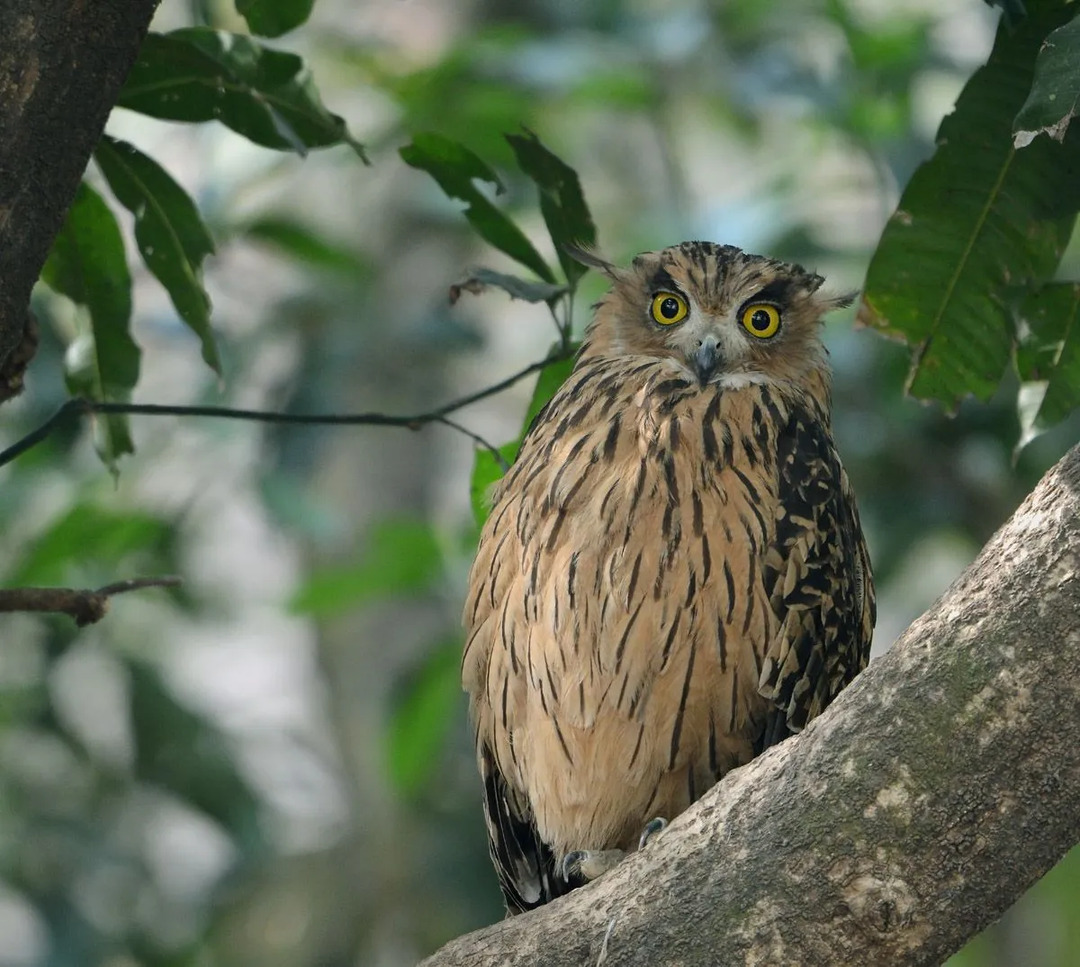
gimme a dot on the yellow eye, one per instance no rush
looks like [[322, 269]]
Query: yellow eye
[[761, 319], [668, 308]]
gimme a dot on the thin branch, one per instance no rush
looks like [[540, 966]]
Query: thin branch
[[85, 606], [479, 440], [80, 407]]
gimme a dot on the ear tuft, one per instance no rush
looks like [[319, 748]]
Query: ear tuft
[[590, 258], [827, 302]]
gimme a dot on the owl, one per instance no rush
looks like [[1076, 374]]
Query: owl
[[673, 576]]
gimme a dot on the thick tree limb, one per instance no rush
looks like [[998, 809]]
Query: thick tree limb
[[85, 607], [938, 787], [61, 68]]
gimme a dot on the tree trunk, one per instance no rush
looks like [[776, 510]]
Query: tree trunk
[[62, 65], [935, 790]]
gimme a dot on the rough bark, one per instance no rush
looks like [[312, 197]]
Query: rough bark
[[938, 787], [61, 68]]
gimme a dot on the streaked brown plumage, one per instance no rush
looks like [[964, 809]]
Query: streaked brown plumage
[[673, 576]]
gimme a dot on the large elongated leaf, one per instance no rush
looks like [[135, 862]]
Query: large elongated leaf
[[1055, 93], [1048, 357], [977, 226], [268, 96], [455, 168], [486, 469], [88, 264], [272, 18], [170, 234], [562, 202]]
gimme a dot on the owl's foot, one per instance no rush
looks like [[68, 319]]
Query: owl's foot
[[652, 828], [585, 865]]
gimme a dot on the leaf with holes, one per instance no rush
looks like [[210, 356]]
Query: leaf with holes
[[455, 168], [171, 236], [88, 264], [1048, 357], [1055, 93], [268, 96], [978, 225]]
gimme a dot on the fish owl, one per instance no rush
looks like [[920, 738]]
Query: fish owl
[[673, 576]]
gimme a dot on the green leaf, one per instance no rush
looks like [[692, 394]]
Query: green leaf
[[421, 718], [87, 543], [200, 74], [977, 226], [403, 557], [1048, 358], [88, 264], [486, 469], [300, 242], [179, 750], [171, 236], [1055, 92], [455, 167], [518, 288], [486, 472], [561, 200], [272, 18]]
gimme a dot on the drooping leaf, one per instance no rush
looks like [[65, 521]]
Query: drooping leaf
[[403, 557], [268, 96], [180, 750], [171, 236], [1055, 92], [562, 202], [479, 279], [1048, 358], [272, 18], [88, 264], [486, 469], [977, 226], [455, 168], [421, 718]]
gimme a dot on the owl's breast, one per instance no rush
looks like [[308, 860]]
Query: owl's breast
[[630, 616]]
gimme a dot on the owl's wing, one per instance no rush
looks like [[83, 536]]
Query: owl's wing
[[817, 575], [526, 866]]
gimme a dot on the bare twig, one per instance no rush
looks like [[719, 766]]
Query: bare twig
[[81, 407], [84, 606]]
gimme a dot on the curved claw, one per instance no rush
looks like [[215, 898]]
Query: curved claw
[[571, 864], [585, 865], [652, 827]]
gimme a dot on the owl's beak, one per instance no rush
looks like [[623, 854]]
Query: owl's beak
[[706, 360]]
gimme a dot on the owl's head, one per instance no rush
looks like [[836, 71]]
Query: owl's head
[[717, 312]]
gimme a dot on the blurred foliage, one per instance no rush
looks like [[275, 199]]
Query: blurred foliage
[[140, 828]]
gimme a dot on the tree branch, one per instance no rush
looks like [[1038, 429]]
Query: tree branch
[[61, 68], [80, 407], [85, 607], [935, 790]]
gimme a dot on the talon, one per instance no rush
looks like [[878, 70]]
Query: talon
[[585, 865], [652, 827], [571, 865]]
